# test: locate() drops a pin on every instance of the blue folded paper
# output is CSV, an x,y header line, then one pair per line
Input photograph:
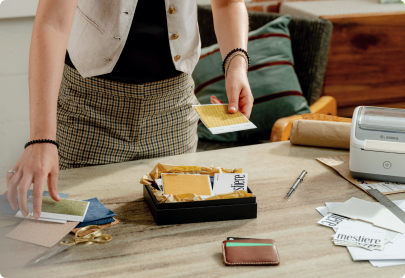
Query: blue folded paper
x,y
6,209
97,214
97,222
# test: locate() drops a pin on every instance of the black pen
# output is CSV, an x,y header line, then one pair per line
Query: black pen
x,y
297,182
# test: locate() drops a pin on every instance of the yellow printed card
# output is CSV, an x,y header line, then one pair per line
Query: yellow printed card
x,y
218,120
175,184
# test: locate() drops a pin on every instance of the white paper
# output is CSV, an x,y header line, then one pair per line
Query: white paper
x,y
331,205
361,245
360,233
323,210
392,251
385,263
227,183
332,220
30,216
372,212
159,183
231,128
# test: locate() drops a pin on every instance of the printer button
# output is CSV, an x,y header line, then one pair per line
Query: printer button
x,y
387,165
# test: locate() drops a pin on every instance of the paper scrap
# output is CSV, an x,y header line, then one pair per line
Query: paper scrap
x,y
323,210
332,220
385,263
42,233
392,251
331,205
341,165
218,120
371,212
227,183
359,233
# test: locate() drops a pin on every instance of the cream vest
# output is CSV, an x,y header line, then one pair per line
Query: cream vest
x,y
100,30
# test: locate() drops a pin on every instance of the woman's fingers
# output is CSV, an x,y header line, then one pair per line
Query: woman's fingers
x,y
39,182
12,186
246,102
215,100
233,97
23,187
53,185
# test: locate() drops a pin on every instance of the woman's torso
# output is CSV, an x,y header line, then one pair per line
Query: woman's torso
x,y
146,55
103,30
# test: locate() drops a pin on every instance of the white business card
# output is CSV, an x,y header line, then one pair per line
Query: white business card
x,y
228,183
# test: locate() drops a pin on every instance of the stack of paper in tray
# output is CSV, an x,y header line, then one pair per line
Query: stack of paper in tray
x,y
368,229
202,185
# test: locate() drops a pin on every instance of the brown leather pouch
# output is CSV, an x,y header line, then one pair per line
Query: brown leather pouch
x,y
250,252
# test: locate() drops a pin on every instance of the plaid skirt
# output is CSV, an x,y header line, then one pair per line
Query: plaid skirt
x,y
101,121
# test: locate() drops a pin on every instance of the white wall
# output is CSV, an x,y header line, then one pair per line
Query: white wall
x,y
16,21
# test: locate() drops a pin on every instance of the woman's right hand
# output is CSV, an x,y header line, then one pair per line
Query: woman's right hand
x,y
37,163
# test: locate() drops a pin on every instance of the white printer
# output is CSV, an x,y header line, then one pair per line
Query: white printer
x,y
377,144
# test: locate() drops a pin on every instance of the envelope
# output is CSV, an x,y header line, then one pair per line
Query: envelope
x,y
372,212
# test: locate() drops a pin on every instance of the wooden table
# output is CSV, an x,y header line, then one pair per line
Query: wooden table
x,y
140,248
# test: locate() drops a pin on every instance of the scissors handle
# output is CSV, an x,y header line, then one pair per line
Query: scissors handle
x,y
97,236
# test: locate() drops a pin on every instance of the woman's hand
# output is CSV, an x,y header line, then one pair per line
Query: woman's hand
x,y
37,163
237,88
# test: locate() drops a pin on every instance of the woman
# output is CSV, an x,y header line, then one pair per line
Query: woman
x,y
125,92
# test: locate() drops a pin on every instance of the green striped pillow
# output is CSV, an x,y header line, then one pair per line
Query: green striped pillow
x,y
275,86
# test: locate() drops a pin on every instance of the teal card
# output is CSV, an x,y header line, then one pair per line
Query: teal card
x,y
239,244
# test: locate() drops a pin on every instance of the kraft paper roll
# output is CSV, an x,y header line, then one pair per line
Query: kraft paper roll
x,y
321,134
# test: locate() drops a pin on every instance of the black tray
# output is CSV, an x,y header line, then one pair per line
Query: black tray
x,y
200,211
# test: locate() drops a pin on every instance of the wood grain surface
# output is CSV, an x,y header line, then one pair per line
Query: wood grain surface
x,y
140,248
366,62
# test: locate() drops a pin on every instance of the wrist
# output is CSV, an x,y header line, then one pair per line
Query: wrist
x,y
237,64
42,135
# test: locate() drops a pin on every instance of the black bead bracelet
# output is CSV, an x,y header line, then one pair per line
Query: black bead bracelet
x,y
230,53
41,141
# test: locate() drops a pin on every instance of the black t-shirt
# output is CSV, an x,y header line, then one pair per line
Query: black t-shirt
x,y
146,56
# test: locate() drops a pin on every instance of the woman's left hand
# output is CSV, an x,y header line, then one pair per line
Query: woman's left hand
x,y
237,88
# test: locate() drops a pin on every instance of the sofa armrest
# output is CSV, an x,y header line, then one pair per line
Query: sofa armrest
x,y
282,127
324,105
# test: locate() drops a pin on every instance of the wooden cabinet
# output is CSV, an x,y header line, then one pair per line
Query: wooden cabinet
x,y
366,63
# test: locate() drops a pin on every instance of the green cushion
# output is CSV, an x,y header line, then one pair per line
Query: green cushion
x,y
271,75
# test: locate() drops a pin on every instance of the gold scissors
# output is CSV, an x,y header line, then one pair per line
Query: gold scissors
x,y
94,237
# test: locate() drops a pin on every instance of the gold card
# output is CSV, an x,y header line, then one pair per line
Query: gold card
x,y
218,115
175,184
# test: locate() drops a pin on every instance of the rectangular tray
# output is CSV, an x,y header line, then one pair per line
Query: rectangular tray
x,y
200,211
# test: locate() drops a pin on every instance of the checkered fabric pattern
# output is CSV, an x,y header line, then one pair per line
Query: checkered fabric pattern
x,y
102,121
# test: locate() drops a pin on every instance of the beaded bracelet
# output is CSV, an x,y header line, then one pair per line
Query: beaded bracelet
x,y
233,51
41,141
230,60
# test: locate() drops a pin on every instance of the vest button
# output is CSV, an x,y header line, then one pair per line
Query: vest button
x,y
172,10
177,57
174,37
